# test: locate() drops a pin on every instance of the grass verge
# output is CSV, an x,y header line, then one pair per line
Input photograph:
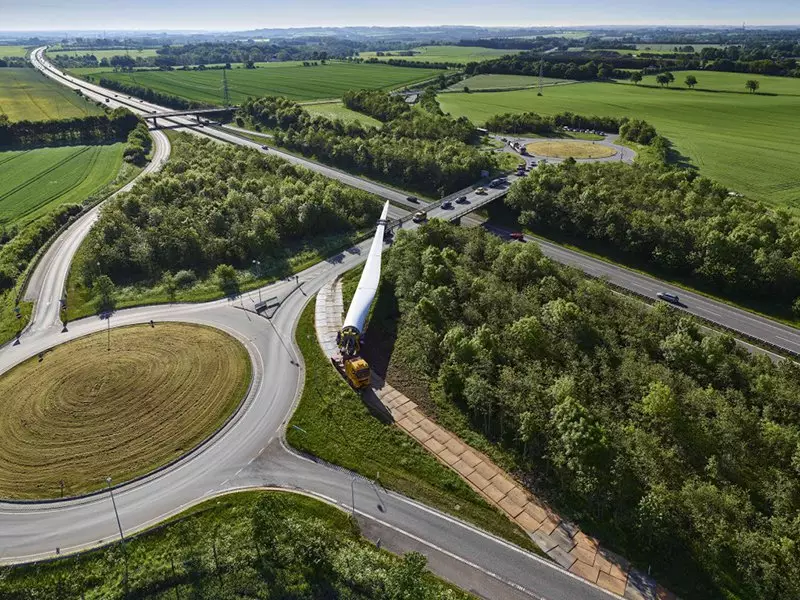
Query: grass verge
x,y
334,424
254,544
119,404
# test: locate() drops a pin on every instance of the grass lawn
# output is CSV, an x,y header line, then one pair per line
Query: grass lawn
x,y
337,426
214,550
337,110
747,142
101,54
13,51
499,82
717,81
27,94
566,149
84,412
33,182
445,54
290,79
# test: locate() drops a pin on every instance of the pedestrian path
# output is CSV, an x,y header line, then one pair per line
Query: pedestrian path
x,y
561,540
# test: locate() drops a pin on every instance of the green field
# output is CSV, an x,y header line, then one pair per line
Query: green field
x,y
336,110
446,54
33,182
290,79
732,82
747,142
499,82
27,94
13,51
100,54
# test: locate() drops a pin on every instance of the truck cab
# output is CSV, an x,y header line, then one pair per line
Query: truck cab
x,y
357,371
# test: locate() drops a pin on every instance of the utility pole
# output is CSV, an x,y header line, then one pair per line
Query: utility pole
x,y
226,100
541,73
121,535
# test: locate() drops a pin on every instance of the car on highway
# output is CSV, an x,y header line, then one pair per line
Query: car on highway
x,y
447,204
419,217
461,200
517,236
265,147
668,297
481,190
413,199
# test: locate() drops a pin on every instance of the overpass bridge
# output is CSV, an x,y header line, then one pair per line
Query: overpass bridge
x,y
197,113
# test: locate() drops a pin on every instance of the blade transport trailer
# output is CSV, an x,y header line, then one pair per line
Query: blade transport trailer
x,y
355,368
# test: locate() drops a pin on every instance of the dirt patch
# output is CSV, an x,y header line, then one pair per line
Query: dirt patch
x,y
566,149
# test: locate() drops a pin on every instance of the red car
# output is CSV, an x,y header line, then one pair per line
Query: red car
x,y
517,236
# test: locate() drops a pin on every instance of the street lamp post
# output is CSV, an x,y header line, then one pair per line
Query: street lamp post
x,y
353,494
258,274
121,535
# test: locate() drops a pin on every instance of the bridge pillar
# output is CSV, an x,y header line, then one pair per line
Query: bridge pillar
x,y
197,118
456,221
155,123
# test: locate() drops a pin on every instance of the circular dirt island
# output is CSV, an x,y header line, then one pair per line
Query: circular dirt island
x,y
83,412
565,149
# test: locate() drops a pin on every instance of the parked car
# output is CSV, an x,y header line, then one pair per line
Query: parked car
x,y
413,199
668,297
461,200
517,236
480,190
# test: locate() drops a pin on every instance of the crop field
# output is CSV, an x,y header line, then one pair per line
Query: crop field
x,y
747,142
499,82
448,54
27,94
33,182
290,79
13,51
85,412
337,110
101,54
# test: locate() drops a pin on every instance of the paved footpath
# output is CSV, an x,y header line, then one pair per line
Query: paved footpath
x,y
561,540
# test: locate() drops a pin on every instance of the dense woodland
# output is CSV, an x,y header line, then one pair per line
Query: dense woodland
x,y
419,150
115,125
674,220
531,122
255,546
678,448
217,205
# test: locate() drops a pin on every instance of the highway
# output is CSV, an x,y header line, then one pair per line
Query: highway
x,y
249,451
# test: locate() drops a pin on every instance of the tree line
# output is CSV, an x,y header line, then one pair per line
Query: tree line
x,y
116,125
672,220
675,446
531,122
148,94
13,61
423,151
218,204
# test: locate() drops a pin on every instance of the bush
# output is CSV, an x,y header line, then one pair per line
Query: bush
x,y
185,278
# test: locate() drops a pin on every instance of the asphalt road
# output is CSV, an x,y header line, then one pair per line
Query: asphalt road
x,y
249,450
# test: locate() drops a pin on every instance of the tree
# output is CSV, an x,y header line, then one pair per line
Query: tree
x,y
690,81
466,89
636,77
752,85
665,78
227,280
170,286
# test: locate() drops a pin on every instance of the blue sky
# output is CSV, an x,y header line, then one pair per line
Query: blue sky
x,y
60,15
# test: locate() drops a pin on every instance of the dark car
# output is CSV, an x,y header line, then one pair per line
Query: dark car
x,y
412,199
447,204
667,297
461,199
265,147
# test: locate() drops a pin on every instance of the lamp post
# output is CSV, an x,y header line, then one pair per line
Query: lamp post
x,y
116,513
353,494
258,274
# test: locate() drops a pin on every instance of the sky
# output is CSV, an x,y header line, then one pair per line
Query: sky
x,y
65,15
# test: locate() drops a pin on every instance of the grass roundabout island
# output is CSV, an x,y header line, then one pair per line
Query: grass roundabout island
x,y
84,412
565,149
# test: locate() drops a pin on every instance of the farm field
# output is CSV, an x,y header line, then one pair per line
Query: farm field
x,y
290,79
101,54
27,94
337,110
731,82
495,82
33,182
746,142
12,51
85,411
448,54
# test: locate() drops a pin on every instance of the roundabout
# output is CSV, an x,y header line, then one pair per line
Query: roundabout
x,y
116,405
